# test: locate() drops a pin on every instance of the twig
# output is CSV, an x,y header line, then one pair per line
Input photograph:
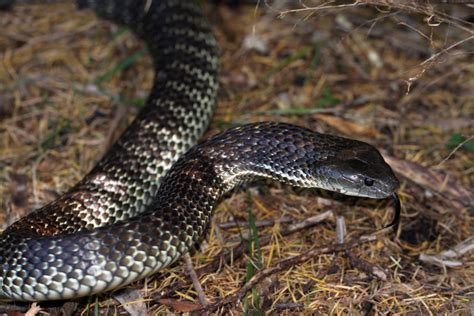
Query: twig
x,y
443,259
423,8
239,250
454,150
227,255
428,63
309,222
192,274
340,229
319,8
445,50
284,265
367,266
262,223
356,262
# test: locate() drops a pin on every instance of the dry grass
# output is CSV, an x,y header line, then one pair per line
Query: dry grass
x,y
358,71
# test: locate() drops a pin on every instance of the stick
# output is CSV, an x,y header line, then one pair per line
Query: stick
x,y
192,274
284,265
240,249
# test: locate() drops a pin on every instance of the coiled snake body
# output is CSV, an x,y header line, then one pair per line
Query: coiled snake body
x,y
124,220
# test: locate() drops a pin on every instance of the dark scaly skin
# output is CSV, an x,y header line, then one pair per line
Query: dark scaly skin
x,y
177,112
60,253
181,102
85,263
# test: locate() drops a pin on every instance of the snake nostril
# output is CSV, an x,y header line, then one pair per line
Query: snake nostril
x,y
369,182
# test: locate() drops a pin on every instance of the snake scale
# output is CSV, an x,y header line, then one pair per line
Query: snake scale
x,y
149,200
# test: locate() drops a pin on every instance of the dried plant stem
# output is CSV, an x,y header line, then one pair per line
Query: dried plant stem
x,y
240,249
284,265
197,285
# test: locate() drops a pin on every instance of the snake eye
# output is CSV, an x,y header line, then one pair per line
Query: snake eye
x,y
369,182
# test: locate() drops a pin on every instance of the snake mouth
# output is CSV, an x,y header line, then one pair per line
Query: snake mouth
x,y
397,208
385,190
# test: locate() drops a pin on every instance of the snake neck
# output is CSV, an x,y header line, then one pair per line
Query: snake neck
x,y
197,182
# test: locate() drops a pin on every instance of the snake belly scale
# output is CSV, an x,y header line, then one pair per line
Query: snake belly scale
x,y
145,203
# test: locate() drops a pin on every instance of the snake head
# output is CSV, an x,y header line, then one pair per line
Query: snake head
x,y
358,172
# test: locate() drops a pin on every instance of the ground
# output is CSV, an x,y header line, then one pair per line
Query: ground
x,y
400,78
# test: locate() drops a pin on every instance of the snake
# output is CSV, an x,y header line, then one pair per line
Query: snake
x,y
150,199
